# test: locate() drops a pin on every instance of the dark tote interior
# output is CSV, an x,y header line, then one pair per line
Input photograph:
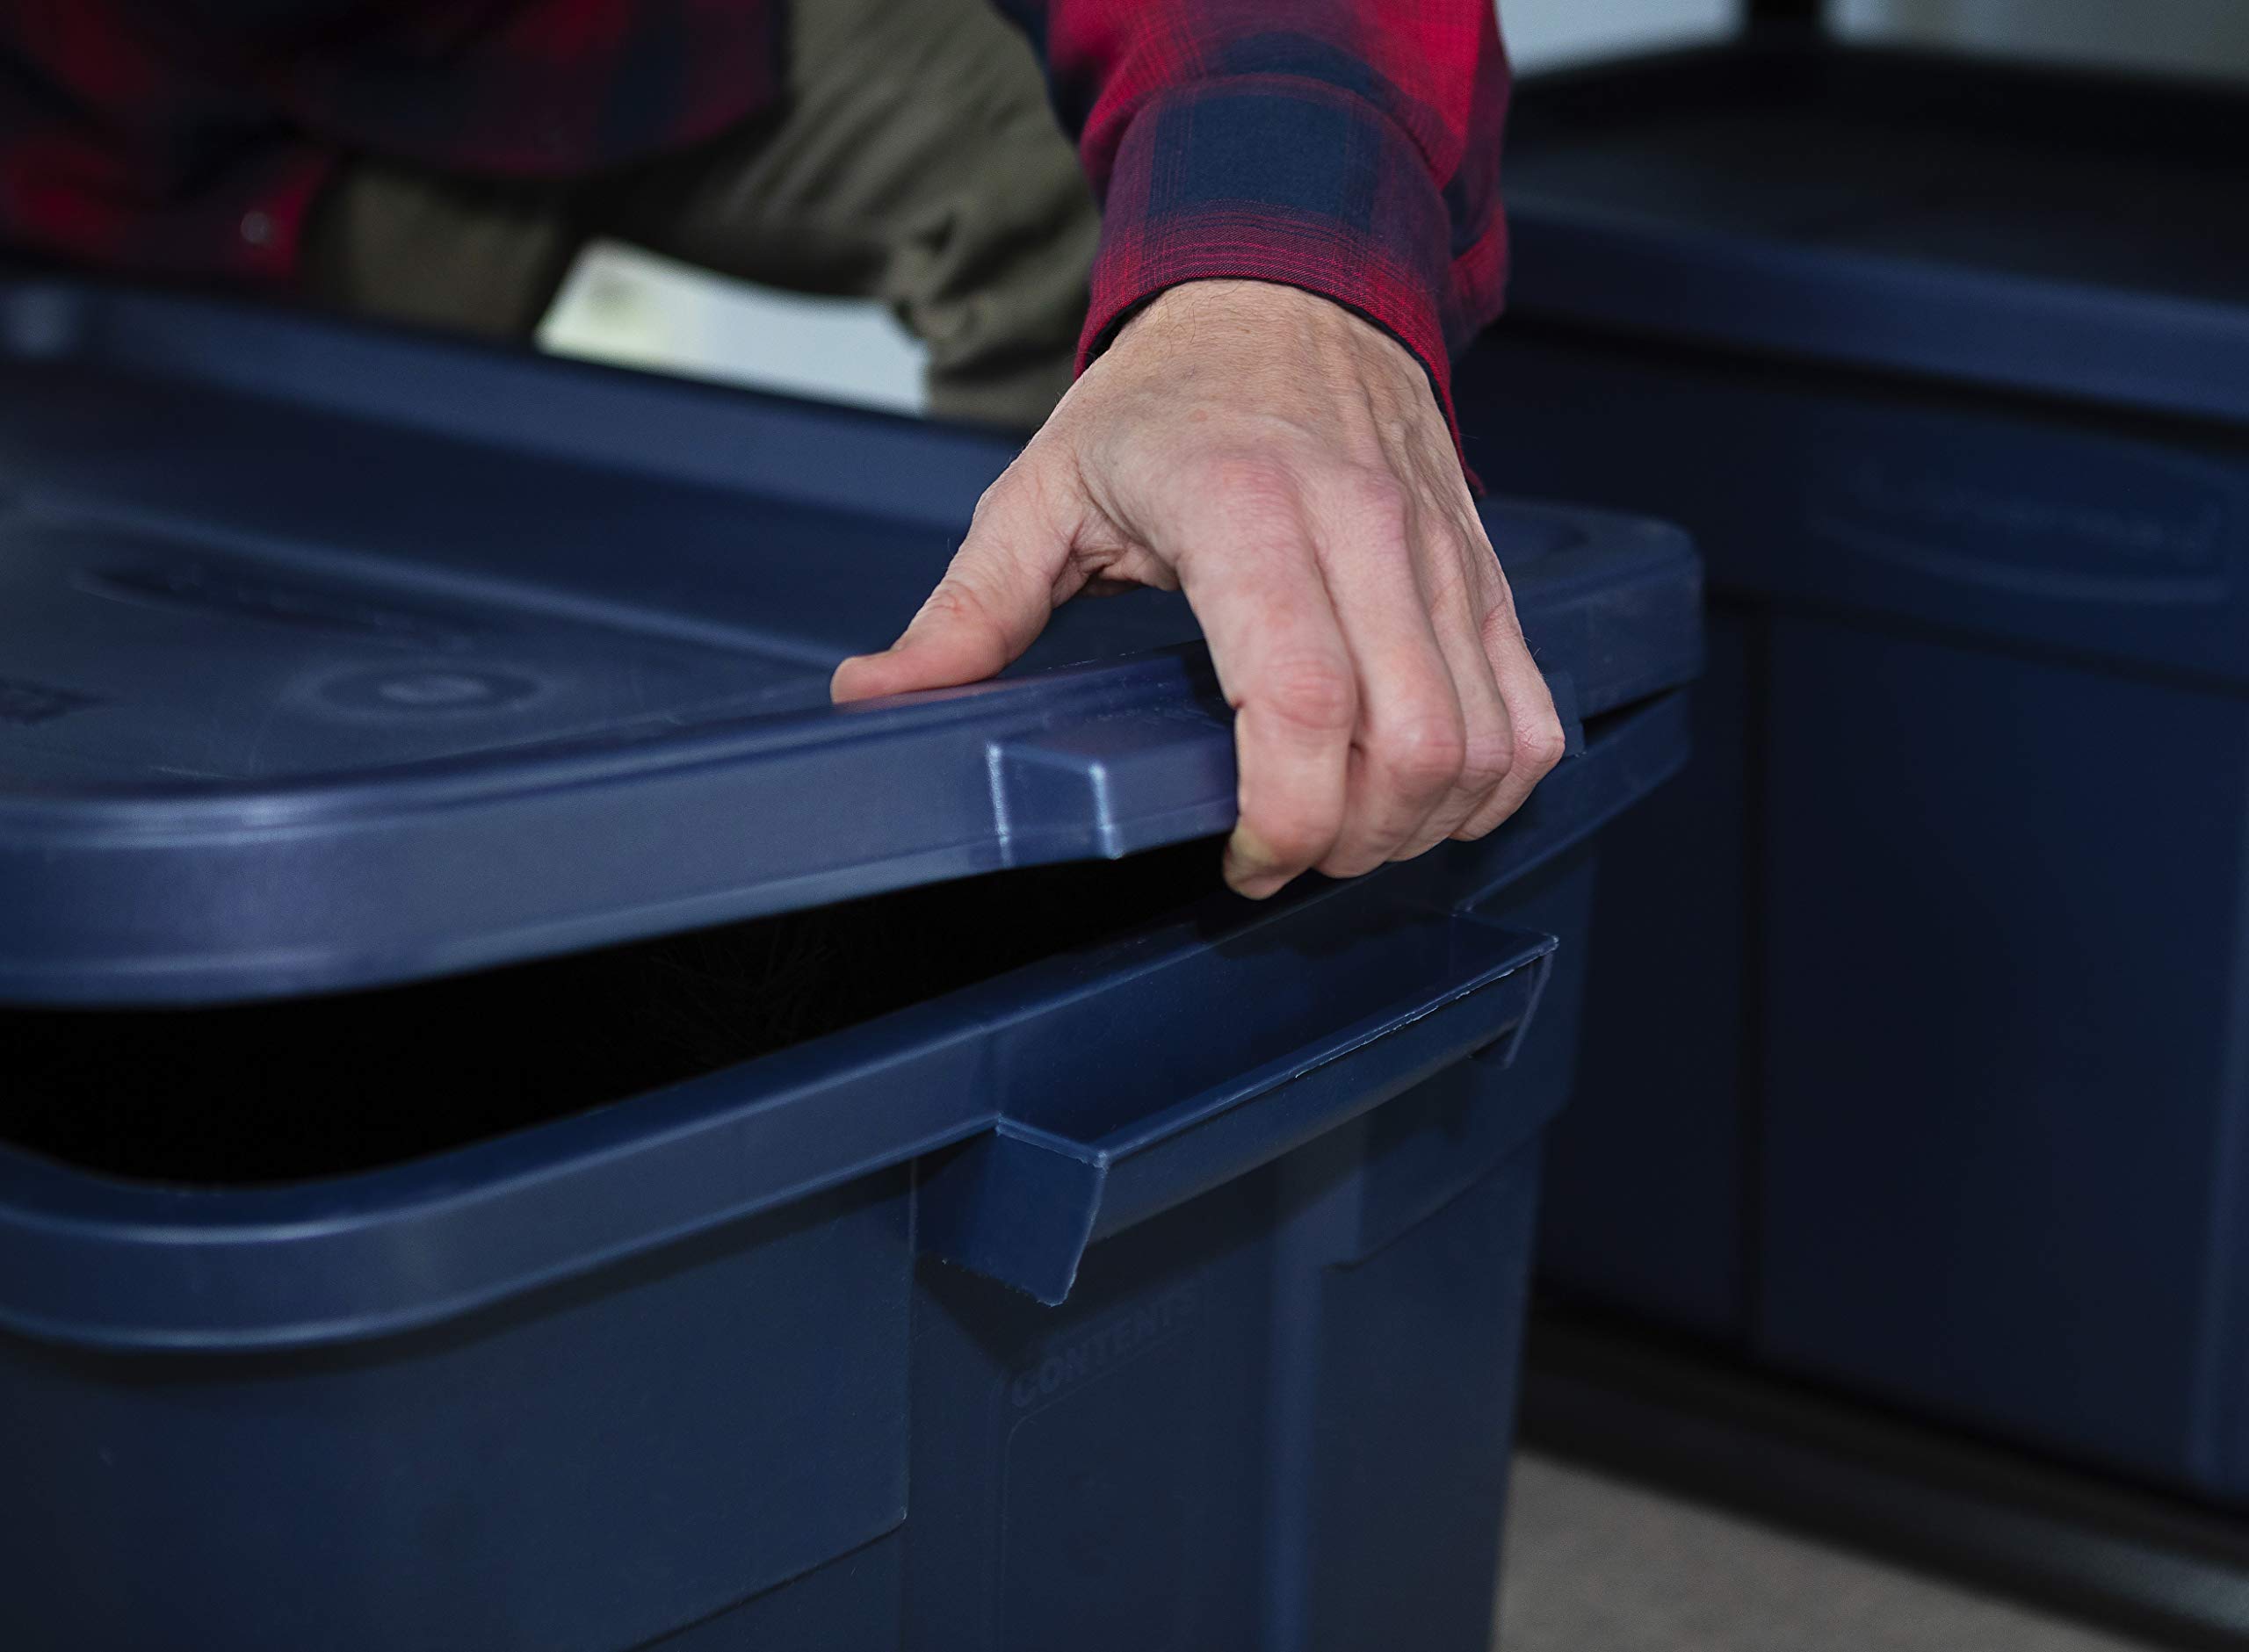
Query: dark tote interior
x,y
331,1085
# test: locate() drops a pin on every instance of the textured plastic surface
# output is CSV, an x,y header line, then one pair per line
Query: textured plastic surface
x,y
1943,936
585,1385
2037,229
306,632
1043,1311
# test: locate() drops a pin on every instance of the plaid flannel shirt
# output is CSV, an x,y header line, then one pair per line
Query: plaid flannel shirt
x,y
1350,148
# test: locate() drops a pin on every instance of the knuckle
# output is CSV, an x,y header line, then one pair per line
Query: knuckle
x,y
1424,751
1374,492
1247,482
1488,761
1021,496
1312,695
1375,506
995,500
955,602
1540,745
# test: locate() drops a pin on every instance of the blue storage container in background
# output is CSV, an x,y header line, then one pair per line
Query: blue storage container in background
x,y
1947,363
526,1128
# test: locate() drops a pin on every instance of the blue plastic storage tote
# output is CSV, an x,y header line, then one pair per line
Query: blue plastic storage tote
x,y
1948,364
509,1144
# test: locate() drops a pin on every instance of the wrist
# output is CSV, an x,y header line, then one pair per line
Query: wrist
x,y
1214,311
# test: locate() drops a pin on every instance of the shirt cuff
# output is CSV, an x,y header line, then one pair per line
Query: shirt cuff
x,y
1275,177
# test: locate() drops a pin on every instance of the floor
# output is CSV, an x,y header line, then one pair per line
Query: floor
x,y
1596,1564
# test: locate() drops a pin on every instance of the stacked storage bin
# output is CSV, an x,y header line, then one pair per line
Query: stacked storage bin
x,y
1949,364
526,1128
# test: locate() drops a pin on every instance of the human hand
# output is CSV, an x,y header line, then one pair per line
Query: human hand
x,y
1286,463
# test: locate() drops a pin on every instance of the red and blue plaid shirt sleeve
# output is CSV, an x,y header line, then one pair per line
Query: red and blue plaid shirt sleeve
x,y
1349,148
190,139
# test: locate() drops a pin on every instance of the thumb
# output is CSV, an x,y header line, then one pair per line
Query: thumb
x,y
995,599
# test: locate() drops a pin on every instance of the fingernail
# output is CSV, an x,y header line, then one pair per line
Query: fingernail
x,y
1249,865
846,667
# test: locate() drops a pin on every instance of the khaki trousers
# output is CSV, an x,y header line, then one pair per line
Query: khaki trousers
x,y
914,160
